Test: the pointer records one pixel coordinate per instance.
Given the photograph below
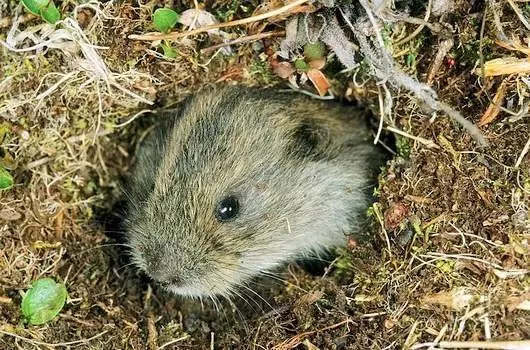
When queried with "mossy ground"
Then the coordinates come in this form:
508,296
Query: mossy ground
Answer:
450,228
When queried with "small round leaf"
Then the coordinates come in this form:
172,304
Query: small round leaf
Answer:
43,301
164,19
301,64
6,179
44,8
314,51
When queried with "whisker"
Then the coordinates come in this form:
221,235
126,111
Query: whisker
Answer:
125,266
103,246
259,296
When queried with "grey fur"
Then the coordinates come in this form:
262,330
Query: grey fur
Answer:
299,167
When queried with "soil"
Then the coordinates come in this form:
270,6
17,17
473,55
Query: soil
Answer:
446,254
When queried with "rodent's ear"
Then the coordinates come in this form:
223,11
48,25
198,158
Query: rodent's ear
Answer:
311,140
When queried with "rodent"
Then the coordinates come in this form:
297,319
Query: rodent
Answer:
237,181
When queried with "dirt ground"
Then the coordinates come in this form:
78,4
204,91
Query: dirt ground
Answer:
445,258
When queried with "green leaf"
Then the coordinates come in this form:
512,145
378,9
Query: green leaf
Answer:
314,51
164,19
6,179
169,52
51,14
34,6
43,301
44,8
301,64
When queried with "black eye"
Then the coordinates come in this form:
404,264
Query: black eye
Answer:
227,209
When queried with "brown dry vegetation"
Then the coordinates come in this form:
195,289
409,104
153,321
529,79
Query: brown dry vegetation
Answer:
448,253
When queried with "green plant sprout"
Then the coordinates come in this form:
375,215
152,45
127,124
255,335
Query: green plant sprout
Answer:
43,8
6,179
164,20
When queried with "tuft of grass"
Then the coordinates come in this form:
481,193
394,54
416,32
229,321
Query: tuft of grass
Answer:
261,71
403,146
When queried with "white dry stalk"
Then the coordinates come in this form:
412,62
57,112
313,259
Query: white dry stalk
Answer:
498,345
427,143
383,65
435,256
196,18
519,14
523,153
69,37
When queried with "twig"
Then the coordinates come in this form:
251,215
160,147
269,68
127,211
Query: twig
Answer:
497,20
196,15
384,68
439,336
525,150
178,35
410,336
5,300
381,220
481,44
466,124
425,142
83,137
75,319
444,47
500,345
53,345
381,114
173,341
37,163
308,93
244,39
296,340
371,17
519,14
131,119
152,333
420,28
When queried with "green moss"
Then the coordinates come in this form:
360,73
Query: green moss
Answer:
261,71
446,266
403,146
227,12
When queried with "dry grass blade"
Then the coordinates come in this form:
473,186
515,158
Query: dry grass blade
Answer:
519,13
245,39
171,342
178,35
524,152
495,106
491,345
425,142
54,345
420,28
505,66
298,339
